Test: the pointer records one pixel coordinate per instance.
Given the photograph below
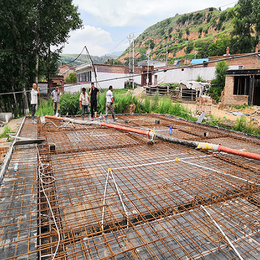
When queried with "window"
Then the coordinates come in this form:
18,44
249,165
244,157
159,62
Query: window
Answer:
241,85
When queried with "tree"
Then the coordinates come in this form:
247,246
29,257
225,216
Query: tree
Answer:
219,47
245,34
28,30
203,48
218,84
72,78
189,47
152,44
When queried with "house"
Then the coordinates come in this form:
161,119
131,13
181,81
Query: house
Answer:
107,74
242,86
243,71
65,71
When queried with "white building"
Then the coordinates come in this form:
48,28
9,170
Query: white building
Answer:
115,75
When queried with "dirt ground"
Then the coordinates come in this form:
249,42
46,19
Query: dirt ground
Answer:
13,124
230,114
225,114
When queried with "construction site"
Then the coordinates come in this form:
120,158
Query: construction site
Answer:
148,186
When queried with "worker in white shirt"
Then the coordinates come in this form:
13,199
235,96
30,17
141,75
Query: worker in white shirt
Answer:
110,103
55,96
84,103
34,100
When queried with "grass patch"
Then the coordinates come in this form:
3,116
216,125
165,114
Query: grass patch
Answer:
164,105
242,126
7,129
47,108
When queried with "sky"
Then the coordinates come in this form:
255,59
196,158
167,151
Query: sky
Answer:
108,23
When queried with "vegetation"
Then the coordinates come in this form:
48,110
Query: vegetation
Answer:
156,104
72,78
123,99
28,29
246,27
218,84
46,107
242,126
7,129
236,27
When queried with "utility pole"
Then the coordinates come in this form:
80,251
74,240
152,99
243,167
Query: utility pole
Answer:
147,76
147,80
133,82
131,39
166,54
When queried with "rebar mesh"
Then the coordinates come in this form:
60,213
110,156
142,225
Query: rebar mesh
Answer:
94,193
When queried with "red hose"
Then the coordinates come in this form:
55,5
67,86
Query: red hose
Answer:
118,127
54,117
237,152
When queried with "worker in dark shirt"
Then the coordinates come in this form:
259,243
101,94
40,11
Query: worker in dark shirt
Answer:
93,92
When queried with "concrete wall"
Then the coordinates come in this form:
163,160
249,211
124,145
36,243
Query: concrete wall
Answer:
5,117
43,87
187,74
74,88
117,80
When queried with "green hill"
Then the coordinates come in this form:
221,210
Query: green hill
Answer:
83,58
182,35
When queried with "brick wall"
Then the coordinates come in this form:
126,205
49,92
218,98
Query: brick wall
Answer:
229,98
249,62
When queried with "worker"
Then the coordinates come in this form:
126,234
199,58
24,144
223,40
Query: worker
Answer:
110,103
93,92
55,96
84,103
34,100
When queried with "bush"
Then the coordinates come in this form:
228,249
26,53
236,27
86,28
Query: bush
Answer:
70,104
72,78
218,83
47,107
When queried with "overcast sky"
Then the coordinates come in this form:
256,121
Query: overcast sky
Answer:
107,23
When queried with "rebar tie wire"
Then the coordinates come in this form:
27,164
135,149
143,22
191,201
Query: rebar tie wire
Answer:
222,232
41,169
108,173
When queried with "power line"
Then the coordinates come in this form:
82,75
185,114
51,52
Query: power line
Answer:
159,71
229,4
183,67
114,48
